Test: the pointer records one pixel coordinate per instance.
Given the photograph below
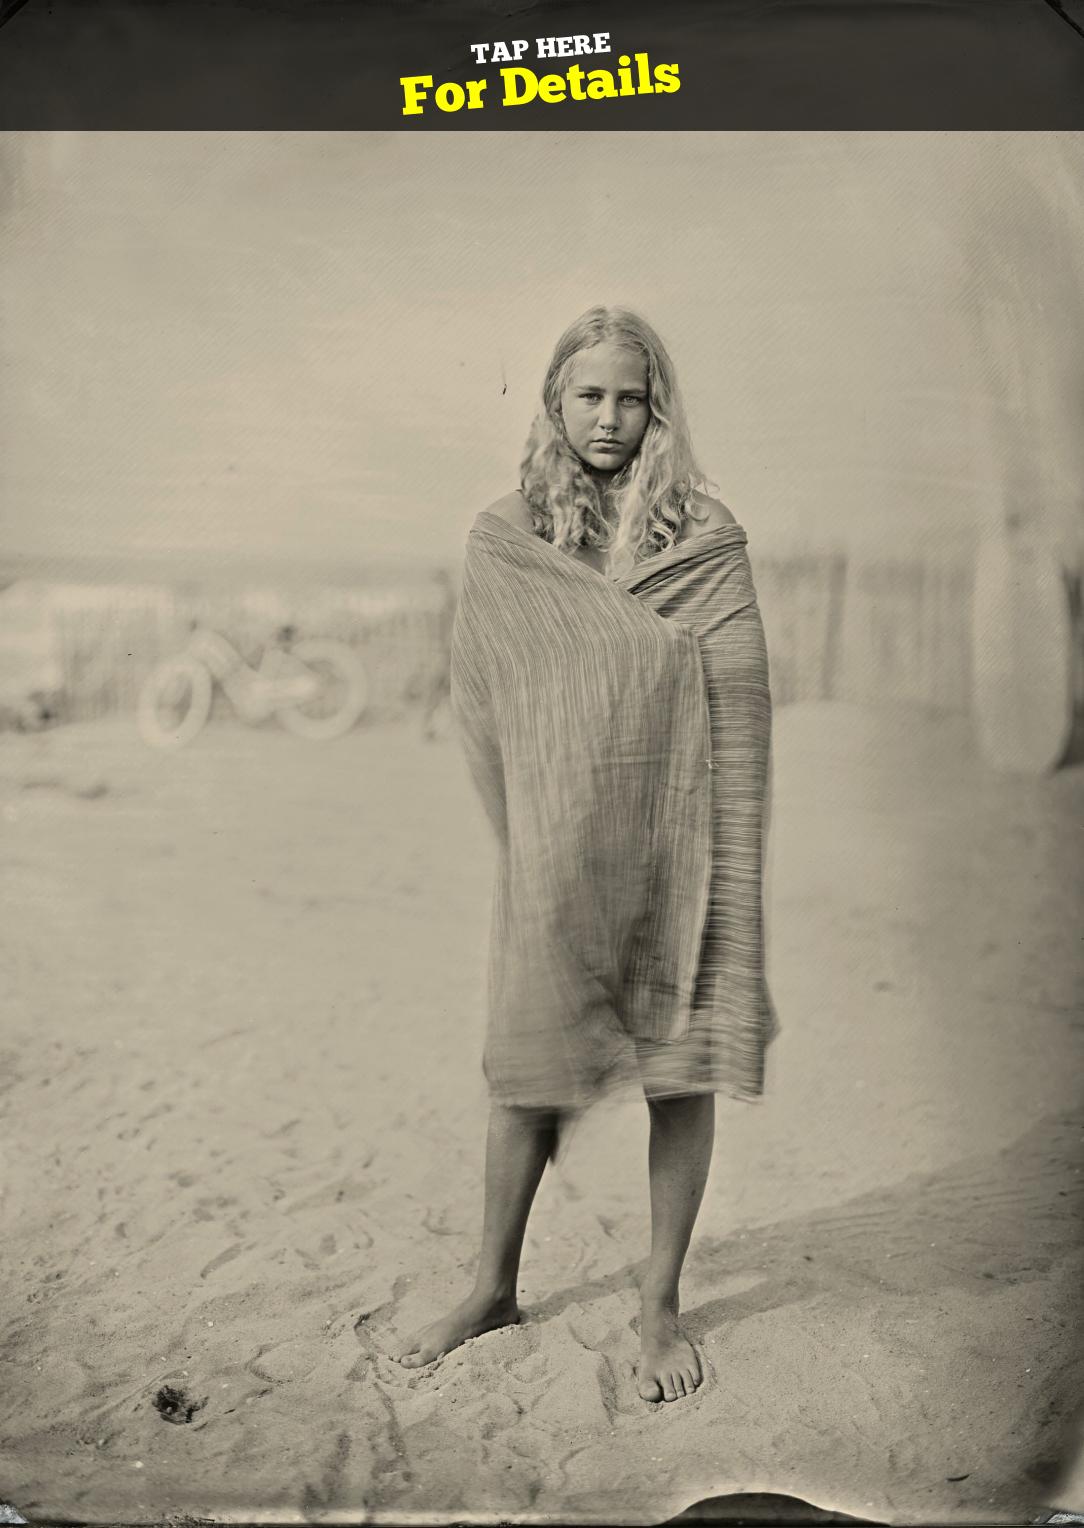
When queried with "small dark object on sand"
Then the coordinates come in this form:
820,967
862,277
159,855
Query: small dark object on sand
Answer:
174,1405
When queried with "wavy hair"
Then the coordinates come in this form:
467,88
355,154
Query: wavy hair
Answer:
643,507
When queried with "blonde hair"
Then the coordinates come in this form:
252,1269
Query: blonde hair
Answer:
642,509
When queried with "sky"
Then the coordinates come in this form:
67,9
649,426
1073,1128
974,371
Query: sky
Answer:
330,346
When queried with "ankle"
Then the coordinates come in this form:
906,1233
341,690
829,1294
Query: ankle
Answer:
659,1296
497,1291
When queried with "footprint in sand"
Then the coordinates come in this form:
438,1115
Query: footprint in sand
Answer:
51,1381
221,1260
285,1361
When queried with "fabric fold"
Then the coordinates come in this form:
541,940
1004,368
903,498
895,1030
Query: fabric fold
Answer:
618,731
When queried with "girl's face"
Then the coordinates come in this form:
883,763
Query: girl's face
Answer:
605,405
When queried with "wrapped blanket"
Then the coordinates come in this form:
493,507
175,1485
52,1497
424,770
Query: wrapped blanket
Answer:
618,732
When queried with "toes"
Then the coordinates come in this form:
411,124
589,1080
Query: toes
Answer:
668,1391
650,1390
419,1356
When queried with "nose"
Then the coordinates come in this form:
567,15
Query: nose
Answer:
607,414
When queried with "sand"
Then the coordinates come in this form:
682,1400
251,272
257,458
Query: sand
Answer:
242,1122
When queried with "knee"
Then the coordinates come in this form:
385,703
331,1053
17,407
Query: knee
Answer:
675,1108
544,1127
519,1119
540,1121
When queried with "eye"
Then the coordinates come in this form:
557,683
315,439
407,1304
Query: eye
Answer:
633,398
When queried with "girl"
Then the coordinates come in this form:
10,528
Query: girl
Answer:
610,686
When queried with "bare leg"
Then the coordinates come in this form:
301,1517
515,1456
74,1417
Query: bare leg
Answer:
518,1145
682,1133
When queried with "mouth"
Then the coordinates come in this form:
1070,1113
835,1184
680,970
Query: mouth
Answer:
607,445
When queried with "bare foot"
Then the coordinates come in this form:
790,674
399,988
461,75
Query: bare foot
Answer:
477,1314
669,1367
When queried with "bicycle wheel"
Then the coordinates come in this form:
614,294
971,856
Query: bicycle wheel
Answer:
174,703
340,697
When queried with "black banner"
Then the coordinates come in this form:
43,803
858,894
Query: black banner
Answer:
422,65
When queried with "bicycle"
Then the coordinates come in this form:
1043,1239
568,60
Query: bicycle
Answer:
316,688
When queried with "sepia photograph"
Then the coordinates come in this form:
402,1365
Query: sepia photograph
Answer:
541,787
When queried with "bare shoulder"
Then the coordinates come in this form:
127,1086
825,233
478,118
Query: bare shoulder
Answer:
513,508
705,514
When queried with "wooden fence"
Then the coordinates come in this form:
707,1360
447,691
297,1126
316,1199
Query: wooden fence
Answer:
839,627
868,630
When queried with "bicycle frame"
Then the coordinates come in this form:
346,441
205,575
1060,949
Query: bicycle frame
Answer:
254,692
290,675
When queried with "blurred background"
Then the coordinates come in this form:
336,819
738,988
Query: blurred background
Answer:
253,390
253,378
